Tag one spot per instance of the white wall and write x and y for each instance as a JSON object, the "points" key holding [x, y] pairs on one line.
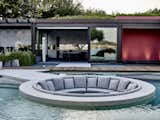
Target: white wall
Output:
{"points": [[8, 37]]}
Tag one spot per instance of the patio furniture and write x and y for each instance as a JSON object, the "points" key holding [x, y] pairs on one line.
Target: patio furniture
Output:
{"points": [[87, 86], [86, 91]]}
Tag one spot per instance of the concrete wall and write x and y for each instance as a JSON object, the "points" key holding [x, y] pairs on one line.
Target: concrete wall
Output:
{"points": [[10, 37]]}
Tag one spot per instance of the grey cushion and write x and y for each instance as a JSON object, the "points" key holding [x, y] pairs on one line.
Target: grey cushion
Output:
{"points": [[123, 85], [113, 85], [68, 83], [91, 82], [131, 86], [80, 81], [97, 90], [72, 90], [50, 85], [103, 82], [43, 85], [58, 83], [39, 86]]}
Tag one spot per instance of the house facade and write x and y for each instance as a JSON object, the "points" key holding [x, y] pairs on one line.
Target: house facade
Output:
{"points": [[123, 39]]}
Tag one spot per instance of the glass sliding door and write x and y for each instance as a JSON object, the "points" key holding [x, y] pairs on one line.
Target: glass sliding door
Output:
{"points": [[103, 44], [65, 44]]}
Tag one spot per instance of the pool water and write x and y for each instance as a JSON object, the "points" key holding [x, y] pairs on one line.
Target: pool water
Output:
{"points": [[14, 107]]}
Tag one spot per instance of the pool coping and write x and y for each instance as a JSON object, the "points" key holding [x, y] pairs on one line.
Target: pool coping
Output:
{"points": [[100, 68]]}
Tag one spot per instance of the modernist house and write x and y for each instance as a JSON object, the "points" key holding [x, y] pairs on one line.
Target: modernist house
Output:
{"points": [[123, 39]]}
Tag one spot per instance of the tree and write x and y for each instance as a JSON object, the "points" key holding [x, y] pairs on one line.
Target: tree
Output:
{"points": [[97, 34], [20, 8], [95, 12], [9, 8], [14, 8], [62, 8]]}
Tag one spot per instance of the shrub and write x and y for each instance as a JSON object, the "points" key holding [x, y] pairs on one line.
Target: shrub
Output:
{"points": [[2, 57], [25, 58]]}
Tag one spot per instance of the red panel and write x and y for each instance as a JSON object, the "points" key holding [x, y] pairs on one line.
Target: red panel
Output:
{"points": [[141, 45]]}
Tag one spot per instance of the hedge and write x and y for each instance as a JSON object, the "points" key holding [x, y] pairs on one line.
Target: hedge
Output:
{"points": [[26, 58]]}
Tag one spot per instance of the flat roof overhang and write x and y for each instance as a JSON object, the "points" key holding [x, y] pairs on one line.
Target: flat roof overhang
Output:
{"points": [[124, 23], [62, 28], [15, 26]]}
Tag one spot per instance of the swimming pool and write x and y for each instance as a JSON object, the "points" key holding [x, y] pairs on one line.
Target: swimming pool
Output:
{"points": [[14, 107]]}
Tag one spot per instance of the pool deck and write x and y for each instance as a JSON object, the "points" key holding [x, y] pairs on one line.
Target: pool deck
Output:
{"points": [[26, 75], [147, 72], [23, 75], [98, 67]]}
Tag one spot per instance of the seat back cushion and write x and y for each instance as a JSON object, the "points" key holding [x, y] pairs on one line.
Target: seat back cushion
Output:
{"points": [[132, 86], [68, 83], [58, 83], [123, 85], [80, 81], [103, 82], [91, 82], [50, 85], [39, 86], [43, 85], [113, 85]]}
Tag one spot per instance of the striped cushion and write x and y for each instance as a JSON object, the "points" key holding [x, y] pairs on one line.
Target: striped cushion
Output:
{"points": [[131, 86], [123, 85], [91, 82], [58, 83], [68, 83], [113, 85], [43, 85], [80, 82], [50, 85], [103, 82]]}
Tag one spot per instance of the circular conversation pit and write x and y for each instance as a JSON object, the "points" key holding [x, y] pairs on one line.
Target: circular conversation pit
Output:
{"points": [[89, 91]]}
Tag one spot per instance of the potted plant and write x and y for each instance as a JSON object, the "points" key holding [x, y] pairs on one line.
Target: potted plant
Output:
{"points": [[14, 58], [15, 63], [7, 60], [2, 57]]}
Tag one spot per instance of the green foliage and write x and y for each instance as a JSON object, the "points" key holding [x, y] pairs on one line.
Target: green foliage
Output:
{"points": [[97, 34], [62, 8], [56, 9], [13, 8], [95, 12], [151, 12], [83, 17], [2, 57], [25, 58]]}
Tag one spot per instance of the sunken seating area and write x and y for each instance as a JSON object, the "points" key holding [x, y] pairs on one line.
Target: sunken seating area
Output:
{"points": [[88, 91], [87, 86]]}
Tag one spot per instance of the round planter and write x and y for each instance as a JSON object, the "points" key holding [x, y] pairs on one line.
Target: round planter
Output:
{"points": [[15, 63], [1, 64]]}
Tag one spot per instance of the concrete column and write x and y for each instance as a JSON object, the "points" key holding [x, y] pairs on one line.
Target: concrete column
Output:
{"points": [[119, 43], [44, 49]]}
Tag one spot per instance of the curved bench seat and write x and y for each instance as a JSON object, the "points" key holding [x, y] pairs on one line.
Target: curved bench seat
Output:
{"points": [[87, 86], [88, 91]]}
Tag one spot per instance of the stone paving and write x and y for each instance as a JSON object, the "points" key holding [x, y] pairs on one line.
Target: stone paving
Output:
{"points": [[150, 72], [96, 67], [22, 75], [25, 75]]}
